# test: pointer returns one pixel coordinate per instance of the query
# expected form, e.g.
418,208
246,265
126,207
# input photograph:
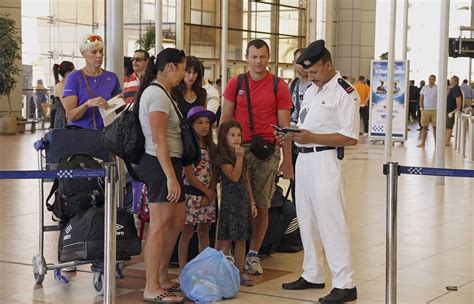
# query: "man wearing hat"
328,121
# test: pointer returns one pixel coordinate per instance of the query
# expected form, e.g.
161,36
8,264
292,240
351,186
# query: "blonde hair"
87,45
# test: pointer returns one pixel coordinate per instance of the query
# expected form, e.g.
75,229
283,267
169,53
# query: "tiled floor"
435,235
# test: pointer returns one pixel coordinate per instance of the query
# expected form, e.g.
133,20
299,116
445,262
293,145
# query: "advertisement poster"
378,100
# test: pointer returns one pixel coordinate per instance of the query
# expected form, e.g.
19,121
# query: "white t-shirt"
430,97
213,98
154,99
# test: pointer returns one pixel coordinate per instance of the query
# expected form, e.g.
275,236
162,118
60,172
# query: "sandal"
162,298
174,288
246,281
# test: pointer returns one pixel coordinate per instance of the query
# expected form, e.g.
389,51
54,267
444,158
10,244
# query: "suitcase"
282,212
82,237
60,142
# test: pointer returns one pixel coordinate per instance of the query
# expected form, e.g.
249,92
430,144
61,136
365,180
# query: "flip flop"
174,288
161,298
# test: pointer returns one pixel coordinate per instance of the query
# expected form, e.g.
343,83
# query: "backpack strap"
53,189
276,80
293,84
240,80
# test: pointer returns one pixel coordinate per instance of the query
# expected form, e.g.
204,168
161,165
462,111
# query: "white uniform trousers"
320,211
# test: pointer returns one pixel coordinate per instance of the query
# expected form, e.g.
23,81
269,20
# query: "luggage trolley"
54,145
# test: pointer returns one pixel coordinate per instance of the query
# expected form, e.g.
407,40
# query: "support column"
179,24
114,38
224,33
442,74
391,65
158,25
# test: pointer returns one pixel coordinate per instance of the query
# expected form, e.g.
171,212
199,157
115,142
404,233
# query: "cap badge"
306,62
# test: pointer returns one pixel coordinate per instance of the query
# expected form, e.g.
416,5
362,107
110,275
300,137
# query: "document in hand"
116,105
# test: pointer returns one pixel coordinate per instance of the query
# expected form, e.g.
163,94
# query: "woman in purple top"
89,88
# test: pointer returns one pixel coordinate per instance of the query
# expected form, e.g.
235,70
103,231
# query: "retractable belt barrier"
35,174
392,170
110,174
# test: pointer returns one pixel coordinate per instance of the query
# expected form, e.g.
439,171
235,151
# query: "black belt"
314,149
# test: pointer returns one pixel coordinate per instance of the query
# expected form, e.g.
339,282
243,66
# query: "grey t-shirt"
154,99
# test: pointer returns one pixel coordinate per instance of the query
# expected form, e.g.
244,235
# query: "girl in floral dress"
199,185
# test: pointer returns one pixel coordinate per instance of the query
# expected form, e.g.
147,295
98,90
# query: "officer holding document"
328,121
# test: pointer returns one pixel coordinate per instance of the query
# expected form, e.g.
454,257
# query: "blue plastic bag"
210,277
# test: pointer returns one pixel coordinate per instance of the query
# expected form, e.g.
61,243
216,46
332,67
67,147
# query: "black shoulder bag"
258,146
191,148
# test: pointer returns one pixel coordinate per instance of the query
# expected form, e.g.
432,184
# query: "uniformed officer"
328,121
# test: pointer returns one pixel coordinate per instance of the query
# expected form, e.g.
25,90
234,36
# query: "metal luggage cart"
51,148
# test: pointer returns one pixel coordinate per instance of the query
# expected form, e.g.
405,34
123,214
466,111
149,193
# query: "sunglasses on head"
139,59
93,38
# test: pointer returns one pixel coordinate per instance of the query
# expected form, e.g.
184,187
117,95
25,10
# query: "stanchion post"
110,224
391,170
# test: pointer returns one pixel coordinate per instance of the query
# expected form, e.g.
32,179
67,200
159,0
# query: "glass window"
289,17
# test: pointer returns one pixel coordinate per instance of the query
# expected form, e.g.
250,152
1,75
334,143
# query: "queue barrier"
392,170
110,175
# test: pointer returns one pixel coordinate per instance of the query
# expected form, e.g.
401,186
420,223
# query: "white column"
114,38
224,32
158,25
179,24
405,29
311,20
391,64
442,75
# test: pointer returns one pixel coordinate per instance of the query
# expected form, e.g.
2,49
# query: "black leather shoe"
301,284
339,296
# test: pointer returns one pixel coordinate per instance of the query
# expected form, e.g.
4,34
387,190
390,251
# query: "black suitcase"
60,142
82,237
280,215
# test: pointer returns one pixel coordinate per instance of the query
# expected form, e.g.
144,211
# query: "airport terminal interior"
435,223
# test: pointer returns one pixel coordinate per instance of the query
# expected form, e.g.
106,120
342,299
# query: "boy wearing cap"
328,119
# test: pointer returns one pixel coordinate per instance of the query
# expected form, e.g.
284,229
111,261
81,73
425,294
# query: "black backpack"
82,238
124,138
74,194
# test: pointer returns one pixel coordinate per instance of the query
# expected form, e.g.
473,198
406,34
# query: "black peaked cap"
311,54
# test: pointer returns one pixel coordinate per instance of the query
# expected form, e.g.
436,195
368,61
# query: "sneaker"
252,265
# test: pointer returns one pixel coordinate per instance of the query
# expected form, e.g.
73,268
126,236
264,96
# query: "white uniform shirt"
331,110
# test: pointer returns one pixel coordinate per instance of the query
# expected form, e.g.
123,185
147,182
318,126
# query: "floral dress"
195,213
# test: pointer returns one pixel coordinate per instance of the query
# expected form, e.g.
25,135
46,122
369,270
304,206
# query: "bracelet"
253,204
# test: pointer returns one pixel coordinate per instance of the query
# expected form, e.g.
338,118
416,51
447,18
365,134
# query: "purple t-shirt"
105,85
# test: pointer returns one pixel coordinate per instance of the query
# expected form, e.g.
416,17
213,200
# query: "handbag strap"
90,94
178,112
249,104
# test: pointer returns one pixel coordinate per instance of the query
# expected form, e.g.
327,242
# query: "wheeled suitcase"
60,142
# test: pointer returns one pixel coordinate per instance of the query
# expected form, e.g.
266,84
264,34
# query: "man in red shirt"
267,107
132,82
